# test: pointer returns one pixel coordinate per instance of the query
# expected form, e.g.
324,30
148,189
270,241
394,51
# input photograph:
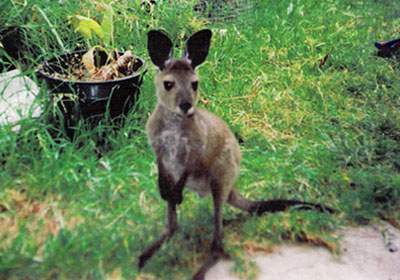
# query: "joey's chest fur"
175,147
180,143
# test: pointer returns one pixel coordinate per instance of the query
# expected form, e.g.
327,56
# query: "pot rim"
47,76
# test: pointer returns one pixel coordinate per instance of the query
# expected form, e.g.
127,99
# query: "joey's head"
177,80
177,87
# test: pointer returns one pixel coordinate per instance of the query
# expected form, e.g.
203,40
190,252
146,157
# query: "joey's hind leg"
170,228
217,248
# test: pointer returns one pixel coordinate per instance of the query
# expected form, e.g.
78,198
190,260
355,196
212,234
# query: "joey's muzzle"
186,108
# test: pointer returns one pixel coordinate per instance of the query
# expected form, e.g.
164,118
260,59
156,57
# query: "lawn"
316,112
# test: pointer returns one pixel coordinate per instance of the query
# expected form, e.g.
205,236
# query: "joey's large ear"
196,49
160,48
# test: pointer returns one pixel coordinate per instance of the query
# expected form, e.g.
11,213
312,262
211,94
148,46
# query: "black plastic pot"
87,100
12,39
18,49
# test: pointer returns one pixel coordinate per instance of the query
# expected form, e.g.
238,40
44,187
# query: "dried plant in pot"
92,84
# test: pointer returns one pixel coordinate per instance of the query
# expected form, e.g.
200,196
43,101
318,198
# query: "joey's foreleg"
165,181
177,191
170,228
169,190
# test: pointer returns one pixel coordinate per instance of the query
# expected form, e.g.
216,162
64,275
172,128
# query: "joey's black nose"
185,107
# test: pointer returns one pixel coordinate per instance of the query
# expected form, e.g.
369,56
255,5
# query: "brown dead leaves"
85,68
109,71
42,218
263,126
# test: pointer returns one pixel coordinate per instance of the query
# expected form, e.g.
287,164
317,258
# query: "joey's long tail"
274,205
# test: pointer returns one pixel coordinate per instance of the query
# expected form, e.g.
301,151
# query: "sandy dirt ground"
367,253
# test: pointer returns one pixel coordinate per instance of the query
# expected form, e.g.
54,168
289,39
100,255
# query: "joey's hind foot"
142,260
210,262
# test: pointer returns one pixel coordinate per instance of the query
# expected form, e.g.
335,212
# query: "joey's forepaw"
176,197
165,195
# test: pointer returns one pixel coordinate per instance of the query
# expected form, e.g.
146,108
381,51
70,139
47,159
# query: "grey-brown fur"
194,148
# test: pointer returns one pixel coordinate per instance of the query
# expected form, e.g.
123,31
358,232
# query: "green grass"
76,210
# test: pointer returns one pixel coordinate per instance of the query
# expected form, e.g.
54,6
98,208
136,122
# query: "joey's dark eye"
195,85
168,85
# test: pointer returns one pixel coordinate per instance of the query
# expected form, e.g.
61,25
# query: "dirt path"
367,253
